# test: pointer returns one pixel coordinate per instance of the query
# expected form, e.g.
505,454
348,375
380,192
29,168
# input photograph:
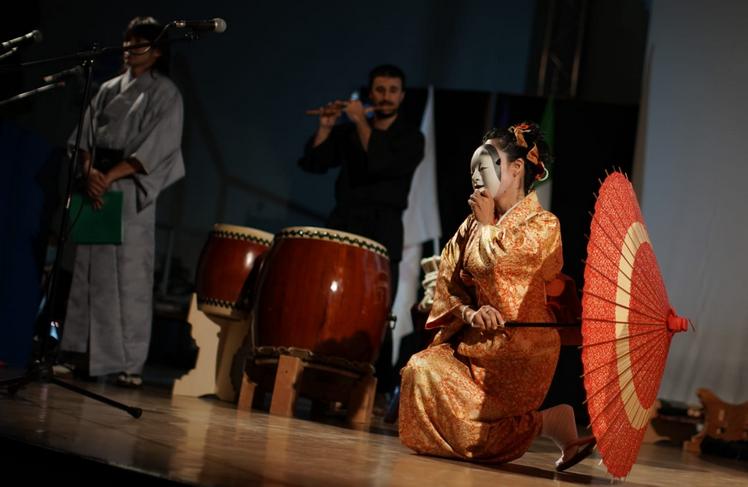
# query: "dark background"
245,92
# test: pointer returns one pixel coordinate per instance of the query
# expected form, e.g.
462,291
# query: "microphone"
215,25
30,38
67,73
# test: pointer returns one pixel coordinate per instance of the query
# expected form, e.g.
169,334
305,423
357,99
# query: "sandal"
586,445
129,380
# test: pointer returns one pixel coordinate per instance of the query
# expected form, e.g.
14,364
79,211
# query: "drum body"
227,271
325,291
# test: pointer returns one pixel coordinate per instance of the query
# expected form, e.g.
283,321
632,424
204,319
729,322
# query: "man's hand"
97,203
487,318
96,184
330,114
355,111
482,206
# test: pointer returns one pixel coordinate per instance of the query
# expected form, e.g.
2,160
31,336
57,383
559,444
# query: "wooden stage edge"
49,432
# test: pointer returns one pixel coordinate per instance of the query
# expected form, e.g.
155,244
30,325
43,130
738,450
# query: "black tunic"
371,191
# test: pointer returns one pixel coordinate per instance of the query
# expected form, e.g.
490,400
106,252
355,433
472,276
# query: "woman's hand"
486,318
482,206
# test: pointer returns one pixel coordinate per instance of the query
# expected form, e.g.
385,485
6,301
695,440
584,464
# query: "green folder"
92,226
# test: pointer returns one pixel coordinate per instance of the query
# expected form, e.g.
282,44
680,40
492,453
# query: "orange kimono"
474,394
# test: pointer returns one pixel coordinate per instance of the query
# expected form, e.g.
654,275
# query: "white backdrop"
692,178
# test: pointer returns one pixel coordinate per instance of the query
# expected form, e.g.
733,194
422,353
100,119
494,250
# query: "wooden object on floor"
231,339
218,341
225,285
361,402
287,384
246,394
672,422
293,373
201,380
722,421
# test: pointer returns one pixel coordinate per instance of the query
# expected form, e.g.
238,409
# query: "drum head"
242,233
338,236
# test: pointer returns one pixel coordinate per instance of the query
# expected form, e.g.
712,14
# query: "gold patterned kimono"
474,394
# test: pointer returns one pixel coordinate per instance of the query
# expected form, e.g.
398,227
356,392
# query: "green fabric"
92,226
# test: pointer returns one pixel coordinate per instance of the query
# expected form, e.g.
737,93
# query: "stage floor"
208,442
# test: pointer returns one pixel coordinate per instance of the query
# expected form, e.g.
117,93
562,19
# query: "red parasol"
627,325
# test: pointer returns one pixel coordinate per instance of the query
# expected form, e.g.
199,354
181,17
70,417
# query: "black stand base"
43,373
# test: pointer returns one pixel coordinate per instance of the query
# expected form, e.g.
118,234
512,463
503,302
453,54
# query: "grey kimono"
109,310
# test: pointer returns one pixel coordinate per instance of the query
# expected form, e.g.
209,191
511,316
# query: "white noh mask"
485,169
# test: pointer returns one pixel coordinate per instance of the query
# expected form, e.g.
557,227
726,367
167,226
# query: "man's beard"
382,115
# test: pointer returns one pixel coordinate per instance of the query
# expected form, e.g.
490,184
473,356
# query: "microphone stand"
40,368
10,52
36,91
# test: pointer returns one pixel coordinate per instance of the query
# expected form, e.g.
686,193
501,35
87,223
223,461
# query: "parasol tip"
676,323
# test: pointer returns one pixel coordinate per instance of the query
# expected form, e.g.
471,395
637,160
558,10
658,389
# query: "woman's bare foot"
560,426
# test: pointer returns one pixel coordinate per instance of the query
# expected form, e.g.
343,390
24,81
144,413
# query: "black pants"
387,375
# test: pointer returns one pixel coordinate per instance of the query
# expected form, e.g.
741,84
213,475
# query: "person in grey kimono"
131,143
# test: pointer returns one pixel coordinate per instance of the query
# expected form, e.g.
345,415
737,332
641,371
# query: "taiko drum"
325,291
228,269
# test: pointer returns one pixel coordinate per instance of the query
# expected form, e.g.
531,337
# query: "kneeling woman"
475,392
